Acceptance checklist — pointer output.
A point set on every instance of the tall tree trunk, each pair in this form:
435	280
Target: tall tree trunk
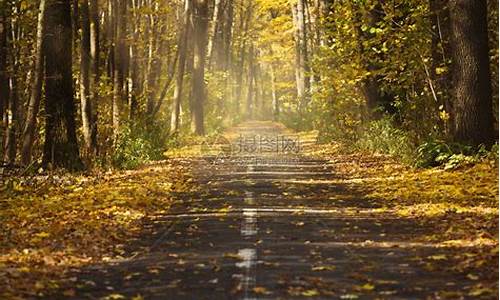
275	102
151	74
302	60
11	117
61	147
245	17
471	69
179	80
95	49
85	63
228	34
200	12
215	27
4	79
118	74
251	80
36	90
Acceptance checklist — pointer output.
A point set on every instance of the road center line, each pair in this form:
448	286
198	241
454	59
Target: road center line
248	255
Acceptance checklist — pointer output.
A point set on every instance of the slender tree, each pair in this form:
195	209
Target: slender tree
4	79
36	90
200	12
182	44
11	114
302	57
95	49
85	77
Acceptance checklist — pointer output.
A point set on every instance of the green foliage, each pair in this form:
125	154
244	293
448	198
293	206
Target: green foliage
381	136
136	146
436	153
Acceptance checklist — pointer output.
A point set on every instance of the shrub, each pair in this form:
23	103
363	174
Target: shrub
137	145
381	136
436	153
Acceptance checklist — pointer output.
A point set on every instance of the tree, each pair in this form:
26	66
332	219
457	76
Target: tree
471	70
4	79
11	114
95	49
61	147
85	77
36	89
302	58
200	13
181	64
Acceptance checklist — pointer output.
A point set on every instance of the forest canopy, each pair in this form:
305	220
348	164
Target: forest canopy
87	83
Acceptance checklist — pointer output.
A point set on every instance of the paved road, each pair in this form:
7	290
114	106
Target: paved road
272	227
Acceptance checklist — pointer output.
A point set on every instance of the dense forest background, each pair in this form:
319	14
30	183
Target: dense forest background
89	83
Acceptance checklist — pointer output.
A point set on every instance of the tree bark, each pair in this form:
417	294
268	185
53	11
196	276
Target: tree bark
4	79
227	34
95	49
11	115
275	102
36	89
200	12
302	59
471	69
251	80
61	147
85	63
215	27
244	23
179	81
118	64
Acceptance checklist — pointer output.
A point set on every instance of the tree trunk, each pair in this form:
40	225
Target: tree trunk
179	81
118	65
4	79
61	147
302	60
471	69
95	72
200	10
228	34
36	90
244	23
251	80
275	103
215	27
11	116
85	62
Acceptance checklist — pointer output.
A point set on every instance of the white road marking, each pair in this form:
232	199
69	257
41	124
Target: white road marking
248	255
249	199
249	223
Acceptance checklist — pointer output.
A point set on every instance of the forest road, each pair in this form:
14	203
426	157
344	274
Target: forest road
272	225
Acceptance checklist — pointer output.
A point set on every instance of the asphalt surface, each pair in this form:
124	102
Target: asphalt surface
270	226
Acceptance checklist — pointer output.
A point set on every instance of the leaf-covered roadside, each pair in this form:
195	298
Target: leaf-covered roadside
51	224
460	208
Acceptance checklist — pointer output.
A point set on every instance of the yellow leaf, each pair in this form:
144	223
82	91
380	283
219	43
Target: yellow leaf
310	293
323	268
368	287
261	290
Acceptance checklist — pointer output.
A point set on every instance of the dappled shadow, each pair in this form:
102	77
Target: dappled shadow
291	229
